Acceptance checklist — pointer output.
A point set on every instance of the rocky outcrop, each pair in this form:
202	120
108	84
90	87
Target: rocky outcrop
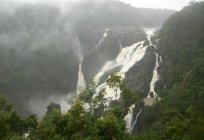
103	52
109	47
139	76
129	35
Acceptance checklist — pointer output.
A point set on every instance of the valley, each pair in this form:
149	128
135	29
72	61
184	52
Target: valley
95	70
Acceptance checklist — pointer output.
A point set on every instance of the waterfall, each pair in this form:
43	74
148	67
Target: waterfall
103	37
126	59
130	125
158	60
135	122
81	83
155	77
129	118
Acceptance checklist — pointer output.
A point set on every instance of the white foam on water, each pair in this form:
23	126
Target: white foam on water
129	118
155	75
126	59
130	125
135	122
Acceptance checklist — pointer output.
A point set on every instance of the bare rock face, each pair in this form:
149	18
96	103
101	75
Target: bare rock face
112	41
139	76
129	35
149	101
104	51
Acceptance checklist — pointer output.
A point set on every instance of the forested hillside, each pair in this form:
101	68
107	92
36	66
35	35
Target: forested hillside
41	60
180	113
41	45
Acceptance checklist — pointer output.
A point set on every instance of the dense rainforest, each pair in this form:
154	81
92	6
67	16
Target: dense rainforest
95	122
179	115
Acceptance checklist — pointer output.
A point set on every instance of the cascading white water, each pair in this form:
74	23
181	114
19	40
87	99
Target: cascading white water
130	125
81	83
156	75
155	78
135	122
124	61
129	118
103	37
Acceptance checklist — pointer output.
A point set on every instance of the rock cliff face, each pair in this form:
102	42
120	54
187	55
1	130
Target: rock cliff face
41	46
138	64
112	41
139	76
129	35
181	46
107	49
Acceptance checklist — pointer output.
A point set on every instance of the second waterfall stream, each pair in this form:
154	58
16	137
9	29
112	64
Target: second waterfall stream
126	59
130	121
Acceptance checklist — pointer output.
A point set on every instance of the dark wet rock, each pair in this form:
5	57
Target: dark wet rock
140	75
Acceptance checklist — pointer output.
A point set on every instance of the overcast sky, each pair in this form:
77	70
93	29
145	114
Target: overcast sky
164	4
167	4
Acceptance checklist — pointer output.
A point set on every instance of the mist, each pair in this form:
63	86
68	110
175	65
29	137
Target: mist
39	104
42	43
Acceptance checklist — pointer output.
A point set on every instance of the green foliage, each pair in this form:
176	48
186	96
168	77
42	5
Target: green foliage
77	124
11	124
114	82
180	114
46	128
111	128
38	46
31	125
87	96
182	42
128	96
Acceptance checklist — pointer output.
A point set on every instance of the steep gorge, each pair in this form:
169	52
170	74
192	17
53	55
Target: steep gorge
41	47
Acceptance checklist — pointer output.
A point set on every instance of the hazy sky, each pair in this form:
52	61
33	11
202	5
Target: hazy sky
168	4
164	4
